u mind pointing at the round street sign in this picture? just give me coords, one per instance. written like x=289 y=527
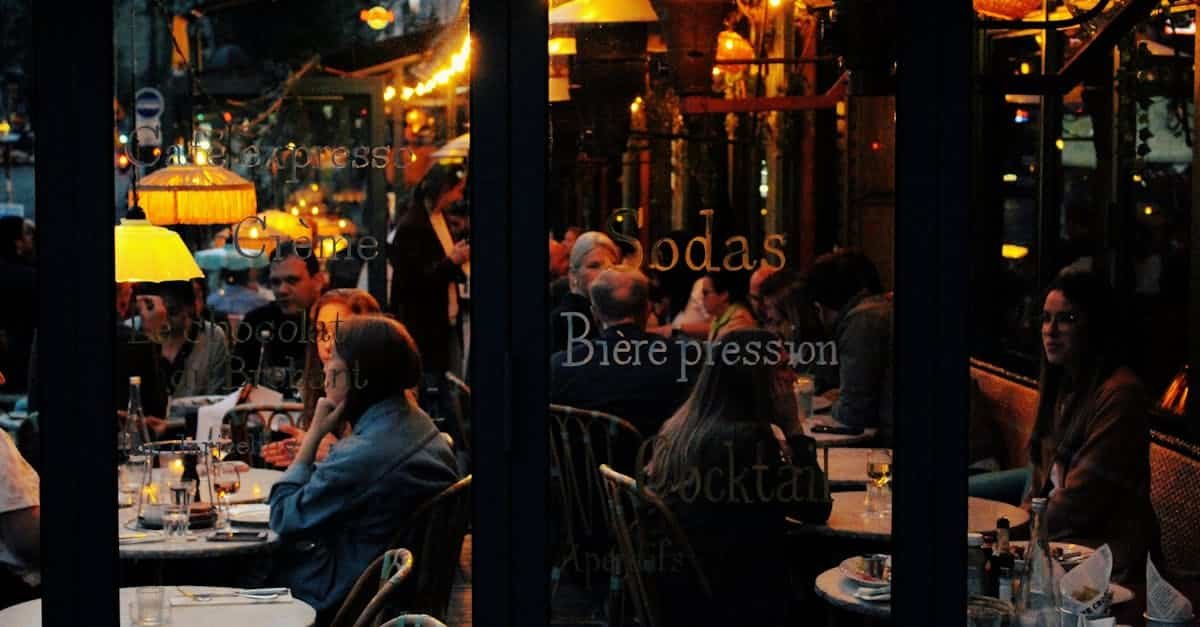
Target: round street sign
x=148 y=102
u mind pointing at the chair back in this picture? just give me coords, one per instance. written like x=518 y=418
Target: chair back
x=580 y=442
x=639 y=552
x=374 y=590
x=435 y=533
x=1175 y=493
x=414 y=620
x=251 y=427
x=461 y=400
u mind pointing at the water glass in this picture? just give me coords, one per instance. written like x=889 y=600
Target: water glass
x=179 y=507
x=150 y=608
x=131 y=475
x=878 y=502
x=803 y=388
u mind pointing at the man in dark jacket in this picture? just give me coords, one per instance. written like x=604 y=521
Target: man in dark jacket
x=625 y=371
x=279 y=331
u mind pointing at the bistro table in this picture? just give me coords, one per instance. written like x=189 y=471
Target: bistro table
x=830 y=440
x=295 y=613
x=256 y=486
x=847 y=467
x=838 y=590
x=848 y=520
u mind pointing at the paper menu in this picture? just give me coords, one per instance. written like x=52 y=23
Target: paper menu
x=209 y=417
x=1163 y=601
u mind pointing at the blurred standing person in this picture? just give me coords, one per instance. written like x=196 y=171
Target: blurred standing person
x=18 y=319
x=430 y=266
x=591 y=254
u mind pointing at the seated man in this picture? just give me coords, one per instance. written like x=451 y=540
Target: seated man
x=20 y=525
x=844 y=287
x=193 y=354
x=625 y=371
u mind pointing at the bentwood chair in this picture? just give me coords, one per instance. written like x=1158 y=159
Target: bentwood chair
x=251 y=426
x=376 y=588
x=435 y=532
x=414 y=620
x=1174 y=465
x=580 y=441
x=626 y=501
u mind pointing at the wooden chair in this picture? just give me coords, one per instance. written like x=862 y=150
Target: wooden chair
x=251 y=427
x=414 y=620
x=1174 y=465
x=462 y=413
x=435 y=532
x=381 y=580
x=638 y=552
x=580 y=441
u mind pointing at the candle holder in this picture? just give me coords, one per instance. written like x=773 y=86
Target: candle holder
x=172 y=455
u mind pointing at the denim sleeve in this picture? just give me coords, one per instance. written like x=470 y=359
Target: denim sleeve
x=863 y=354
x=308 y=496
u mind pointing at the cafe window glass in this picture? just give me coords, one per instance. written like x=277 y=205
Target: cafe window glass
x=720 y=198
x=292 y=291
x=1099 y=178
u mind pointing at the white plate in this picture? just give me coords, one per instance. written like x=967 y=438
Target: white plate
x=851 y=567
x=257 y=514
x=864 y=594
x=1083 y=551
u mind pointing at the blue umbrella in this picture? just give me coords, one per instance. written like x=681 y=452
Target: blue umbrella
x=227 y=258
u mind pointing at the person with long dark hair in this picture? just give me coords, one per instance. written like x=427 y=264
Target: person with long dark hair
x=336 y=516
x=330 y=312
x=739 y=421
x=1090 y=446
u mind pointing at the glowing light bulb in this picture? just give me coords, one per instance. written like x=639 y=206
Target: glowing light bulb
x=389 y=93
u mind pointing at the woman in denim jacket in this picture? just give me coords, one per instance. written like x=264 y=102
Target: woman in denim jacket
x=337 y=516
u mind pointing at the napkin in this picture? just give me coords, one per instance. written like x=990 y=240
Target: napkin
x=1084 y=590
x=1163 y=601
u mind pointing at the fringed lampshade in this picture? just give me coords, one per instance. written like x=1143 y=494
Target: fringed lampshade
x=603 y=11
x=196 y=194
x=151 y=254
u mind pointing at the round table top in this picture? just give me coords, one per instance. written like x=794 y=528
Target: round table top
x=829 y=440
x=847 y=466
x=838 y=590
x=256 y=486
x=295 y=612
x=847 y=518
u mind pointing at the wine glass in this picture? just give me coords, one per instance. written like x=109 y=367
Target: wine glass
x=879 y=484
x=226 y=480
x=223 y=443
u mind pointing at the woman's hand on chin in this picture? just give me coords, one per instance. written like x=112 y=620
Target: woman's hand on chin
x=325 y=419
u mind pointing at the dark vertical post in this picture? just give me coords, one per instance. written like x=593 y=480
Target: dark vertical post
x=77 y=317
x=932 y=175
x=1049 y=163
x=376 y=218
x=1193 y=330
x=490 y=324
x=528 y=158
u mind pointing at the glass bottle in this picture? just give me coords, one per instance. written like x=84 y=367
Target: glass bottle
x=1040 y=596
x=976 y=559
x=134 y=434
